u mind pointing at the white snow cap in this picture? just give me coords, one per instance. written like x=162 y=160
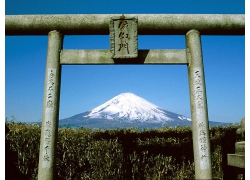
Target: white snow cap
x=129 y=107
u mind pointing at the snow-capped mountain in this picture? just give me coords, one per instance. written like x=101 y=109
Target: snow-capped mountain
x=130 y=107
x=126 y=110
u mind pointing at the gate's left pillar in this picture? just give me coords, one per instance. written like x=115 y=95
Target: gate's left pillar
x=50 y=114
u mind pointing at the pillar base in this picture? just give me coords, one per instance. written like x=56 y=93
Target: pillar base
x=236 y=160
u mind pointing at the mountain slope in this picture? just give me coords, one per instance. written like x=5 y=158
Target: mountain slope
x=130 y=107
x=126 y=110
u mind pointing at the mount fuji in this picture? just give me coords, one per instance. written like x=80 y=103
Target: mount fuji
x=126 y=110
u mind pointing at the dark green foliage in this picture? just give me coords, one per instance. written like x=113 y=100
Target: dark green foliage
x=165 y=153
x=24 y=140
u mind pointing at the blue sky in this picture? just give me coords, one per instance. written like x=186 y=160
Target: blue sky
x=85 y=87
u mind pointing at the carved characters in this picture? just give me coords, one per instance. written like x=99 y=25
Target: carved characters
x=50 y=89
x=123 y=37
x=203 y=144
x=47 y=138
x=198 y=89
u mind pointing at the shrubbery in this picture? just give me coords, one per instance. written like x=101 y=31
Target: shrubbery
x=165 y=153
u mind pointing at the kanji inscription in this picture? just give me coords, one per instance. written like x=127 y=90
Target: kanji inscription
x=202 y=143
x=202 y=130
x=50 y=94
x=199 y=99
x=123 y=37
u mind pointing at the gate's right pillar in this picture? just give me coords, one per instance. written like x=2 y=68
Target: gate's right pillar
x=198 y=105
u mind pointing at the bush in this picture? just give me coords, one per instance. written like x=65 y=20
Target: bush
x=165 y=153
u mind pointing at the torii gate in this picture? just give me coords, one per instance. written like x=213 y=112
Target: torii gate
x=192 y=26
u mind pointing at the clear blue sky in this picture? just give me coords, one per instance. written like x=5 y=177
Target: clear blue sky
x=85 y=87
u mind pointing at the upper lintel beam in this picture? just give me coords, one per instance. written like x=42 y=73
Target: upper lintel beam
x=148 y=24
x=70 y=57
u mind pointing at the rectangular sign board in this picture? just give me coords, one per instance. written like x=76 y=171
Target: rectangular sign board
x=123 y=37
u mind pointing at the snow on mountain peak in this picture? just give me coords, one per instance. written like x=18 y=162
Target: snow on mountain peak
x=129 y=107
